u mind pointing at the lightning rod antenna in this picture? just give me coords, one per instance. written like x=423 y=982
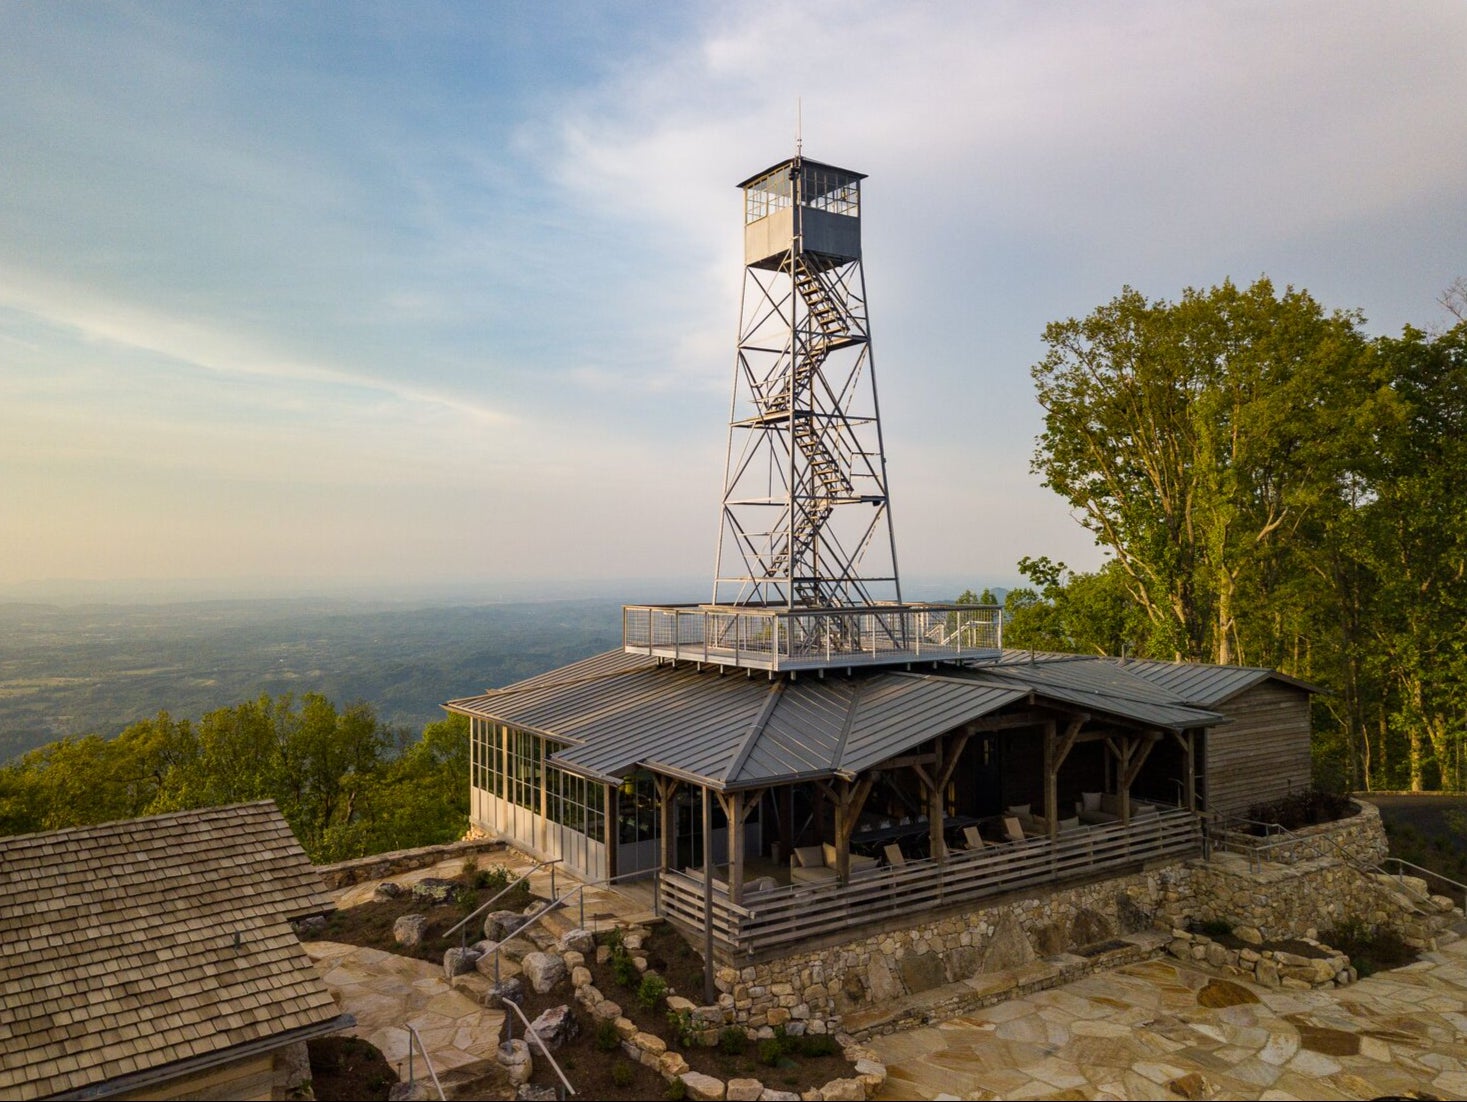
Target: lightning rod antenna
x=799 y=125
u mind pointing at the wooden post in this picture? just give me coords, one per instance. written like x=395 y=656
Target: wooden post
x=849 y=799
x=710 y=990
x=667 y=820
x=1051 y=779
x=608 y=827
x=786 y=798
x=733 y=811
x=1191 y=756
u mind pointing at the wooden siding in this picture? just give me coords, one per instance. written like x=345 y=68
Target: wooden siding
x=1263 y=753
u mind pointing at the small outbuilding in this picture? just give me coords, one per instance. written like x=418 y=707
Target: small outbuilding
x=154 y=958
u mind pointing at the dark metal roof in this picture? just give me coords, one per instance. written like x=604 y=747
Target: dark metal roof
x=1193 y=683
x=804 y=162
x=619 y=712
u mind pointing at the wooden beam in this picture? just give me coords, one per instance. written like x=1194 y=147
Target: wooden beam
x=1067 y=742
x=951 y=758
x=1139 y=754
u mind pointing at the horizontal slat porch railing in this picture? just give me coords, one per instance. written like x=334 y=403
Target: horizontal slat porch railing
x=779 y=917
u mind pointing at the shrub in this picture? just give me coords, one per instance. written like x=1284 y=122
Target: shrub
x=607 y=1039
x=1215 y=927
x=495 y=878
x=677 y=1090
x=651 y=992
x=1370 y=948
x=770 y=1052
x=818 y=1044
x=732 y=1040
x=684 y=1027
x=1303 y=808
x=623 y=969
x=622 y=1074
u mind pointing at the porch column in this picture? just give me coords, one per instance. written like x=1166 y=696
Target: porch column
x=667 y=820
x=733 y=811
x=1186 y=740
x=710 y=990
x=609 y=823
x=849 y=799
x=1051 y=779
x=786 y=805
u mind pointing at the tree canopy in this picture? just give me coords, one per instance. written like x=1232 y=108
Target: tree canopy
x=1275 y=488
x=337 y=776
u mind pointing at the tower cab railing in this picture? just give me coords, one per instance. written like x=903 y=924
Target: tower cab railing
x=783 y=639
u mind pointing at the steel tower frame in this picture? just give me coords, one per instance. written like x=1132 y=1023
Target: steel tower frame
x=806 y=516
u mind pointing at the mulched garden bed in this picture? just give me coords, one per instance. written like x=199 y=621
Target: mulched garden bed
x=349 y=1069
x=370 y=924
x=595 y=1071
x=603 y=1070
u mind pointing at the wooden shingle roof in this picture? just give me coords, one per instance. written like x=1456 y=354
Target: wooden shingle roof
x=129 y=946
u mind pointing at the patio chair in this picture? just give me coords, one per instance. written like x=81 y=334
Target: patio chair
x=1013 y=831
x=894 y=856
x=974 y=839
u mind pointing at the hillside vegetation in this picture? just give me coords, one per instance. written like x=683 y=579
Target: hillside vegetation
x=345 y=783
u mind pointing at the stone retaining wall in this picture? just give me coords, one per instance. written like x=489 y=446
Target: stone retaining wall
x=1024 y=937
x=1360 y=839
x=815 y=990
x=346 y=873
x=1264 y=964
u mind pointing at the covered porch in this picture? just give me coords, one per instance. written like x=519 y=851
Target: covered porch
x=1004 y=802
x=773 y=918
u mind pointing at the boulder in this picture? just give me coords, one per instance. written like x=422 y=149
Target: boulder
x=555 y=1027
x=308 y=928
x=531 y=1093
x=578 y=941
x=702 y=1088
x=516 y=948
x=543 y=971
x=435 y=889
x=499 y=925
x=744 y=1090
x=510 y=990
x=457 y=962
x=409 y=929
x=514 y=1056
x=387 y=891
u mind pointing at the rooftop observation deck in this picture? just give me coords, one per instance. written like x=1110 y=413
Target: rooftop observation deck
x=783 y=639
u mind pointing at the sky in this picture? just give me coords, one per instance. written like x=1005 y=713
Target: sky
x=296 y=297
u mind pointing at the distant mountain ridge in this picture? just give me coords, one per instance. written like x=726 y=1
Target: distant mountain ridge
x=94 y=668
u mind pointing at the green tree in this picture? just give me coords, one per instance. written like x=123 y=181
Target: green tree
x=1072 y=613
x=1195 y=439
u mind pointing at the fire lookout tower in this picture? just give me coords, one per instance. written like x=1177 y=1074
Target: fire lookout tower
x=806 y=573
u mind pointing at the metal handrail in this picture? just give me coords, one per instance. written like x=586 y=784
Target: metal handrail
x=1316 y=843
x=520 y=1014
x=1429 y=874
x=505 y=891
x=413 y=1034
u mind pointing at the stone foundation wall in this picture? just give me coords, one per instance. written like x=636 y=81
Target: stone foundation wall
x=813 y=991
x=346 y=873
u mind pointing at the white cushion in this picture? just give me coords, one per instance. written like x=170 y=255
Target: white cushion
x=1021 y=810
x=1090 y=800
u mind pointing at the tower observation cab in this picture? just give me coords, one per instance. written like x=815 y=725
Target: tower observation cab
x=806 y=571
